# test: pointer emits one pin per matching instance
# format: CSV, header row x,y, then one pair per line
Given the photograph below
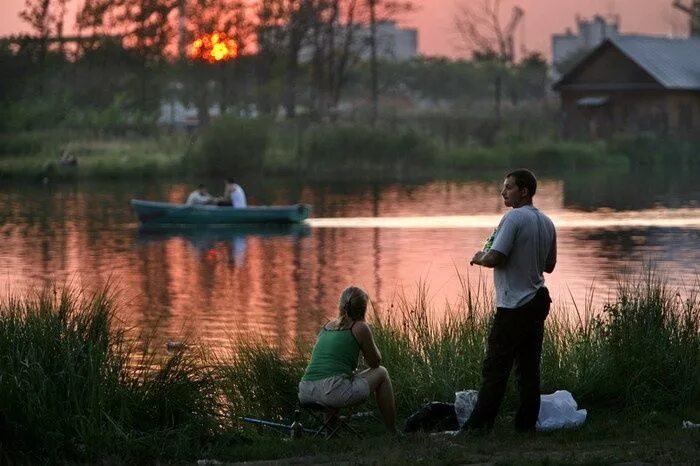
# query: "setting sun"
x,y
212,48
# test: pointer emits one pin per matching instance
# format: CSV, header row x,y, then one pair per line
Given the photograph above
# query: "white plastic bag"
x,y
557,410
464,405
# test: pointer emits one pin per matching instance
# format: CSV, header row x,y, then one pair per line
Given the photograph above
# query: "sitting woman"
x,y
330,380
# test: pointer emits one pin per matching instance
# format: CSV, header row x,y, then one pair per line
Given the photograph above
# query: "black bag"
x,y
433,417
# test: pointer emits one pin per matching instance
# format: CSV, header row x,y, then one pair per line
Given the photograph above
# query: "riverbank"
x,y
313,153
76,387
616,438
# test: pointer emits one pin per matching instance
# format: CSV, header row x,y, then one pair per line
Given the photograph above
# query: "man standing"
x,y
524,246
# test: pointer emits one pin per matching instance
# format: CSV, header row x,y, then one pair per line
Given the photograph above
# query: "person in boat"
x,y
233,195
331,379
67,160
200,196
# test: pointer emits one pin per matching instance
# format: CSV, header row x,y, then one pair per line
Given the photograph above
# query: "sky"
x,y
434,20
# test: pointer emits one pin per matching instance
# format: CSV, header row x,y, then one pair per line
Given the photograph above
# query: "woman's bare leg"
x,y
380,384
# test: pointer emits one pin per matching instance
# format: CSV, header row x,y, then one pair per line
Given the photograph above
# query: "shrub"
x,y
650,151
20,143
229,146
345,149
539,155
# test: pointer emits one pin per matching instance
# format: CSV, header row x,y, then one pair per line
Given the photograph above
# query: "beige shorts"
x,y
335,392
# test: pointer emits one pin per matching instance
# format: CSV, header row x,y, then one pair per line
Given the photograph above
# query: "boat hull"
x,y
152,213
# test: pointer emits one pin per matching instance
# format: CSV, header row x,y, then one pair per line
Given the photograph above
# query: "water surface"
x,y
282,283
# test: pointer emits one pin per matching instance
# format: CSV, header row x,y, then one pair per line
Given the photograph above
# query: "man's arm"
x,y
552,256
489,259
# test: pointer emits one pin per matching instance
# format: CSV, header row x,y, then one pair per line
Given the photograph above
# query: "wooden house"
x,y
634,85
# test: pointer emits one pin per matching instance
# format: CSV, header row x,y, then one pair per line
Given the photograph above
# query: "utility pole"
x,y
693,11
373,60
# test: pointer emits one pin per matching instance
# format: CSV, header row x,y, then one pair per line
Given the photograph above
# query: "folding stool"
x,y
331,422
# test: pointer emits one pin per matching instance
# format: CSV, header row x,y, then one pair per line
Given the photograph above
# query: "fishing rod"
x,y
277,425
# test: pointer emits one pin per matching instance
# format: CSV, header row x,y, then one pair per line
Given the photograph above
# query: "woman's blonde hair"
x,y
353,304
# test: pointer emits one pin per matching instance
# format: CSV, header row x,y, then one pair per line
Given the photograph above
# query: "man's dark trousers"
x,y
515,339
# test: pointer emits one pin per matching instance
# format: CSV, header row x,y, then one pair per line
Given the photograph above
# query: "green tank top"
x,y
335,353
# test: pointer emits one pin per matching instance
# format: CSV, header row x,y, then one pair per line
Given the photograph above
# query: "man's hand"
x,y
488,259
477,258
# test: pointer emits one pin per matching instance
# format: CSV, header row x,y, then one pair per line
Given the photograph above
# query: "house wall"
x,y
660,113
684,113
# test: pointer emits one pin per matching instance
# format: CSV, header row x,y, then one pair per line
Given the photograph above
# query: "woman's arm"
x,y
364,337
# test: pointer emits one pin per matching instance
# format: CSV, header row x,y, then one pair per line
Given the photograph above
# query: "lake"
x,y
282,283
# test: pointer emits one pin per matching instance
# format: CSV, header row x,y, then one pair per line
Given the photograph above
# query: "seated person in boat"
x,y
233,195
200,196
331,379
67,160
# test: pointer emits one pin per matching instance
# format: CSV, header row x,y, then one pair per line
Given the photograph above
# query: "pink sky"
x,y
543,18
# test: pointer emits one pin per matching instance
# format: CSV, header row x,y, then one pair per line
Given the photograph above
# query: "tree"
x,y
300,14
226,20
529,78
336,48
271,17
45,17
483,33
388,9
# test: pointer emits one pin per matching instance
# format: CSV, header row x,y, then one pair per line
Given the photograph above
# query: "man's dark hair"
x,y
229,180
524,178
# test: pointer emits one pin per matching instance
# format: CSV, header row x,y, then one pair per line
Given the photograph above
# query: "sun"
x,y
213,48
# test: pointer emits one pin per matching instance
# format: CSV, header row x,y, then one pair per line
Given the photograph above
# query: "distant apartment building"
x,y
591,33
393,43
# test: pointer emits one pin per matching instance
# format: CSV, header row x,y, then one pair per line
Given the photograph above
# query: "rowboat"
x,y
152,213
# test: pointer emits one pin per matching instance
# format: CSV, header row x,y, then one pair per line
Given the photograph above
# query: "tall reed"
x,y
72,386
69,388
641,350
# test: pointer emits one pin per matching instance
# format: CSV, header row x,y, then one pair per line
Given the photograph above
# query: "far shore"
x,y
37,156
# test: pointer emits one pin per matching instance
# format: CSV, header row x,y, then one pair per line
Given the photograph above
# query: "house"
x,y
634,85
590,34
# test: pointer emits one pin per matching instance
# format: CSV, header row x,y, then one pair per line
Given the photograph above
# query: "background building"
x,y
568,47
393,43
634,85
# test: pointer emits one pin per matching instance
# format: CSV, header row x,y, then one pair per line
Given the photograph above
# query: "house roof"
x,y
674,63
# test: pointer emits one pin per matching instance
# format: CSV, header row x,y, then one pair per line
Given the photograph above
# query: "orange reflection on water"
x,y
283,286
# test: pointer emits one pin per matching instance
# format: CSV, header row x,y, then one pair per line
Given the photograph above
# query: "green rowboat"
x,y
164,213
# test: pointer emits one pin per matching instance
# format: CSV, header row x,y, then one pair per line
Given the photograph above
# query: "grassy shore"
x,y
314,152
36,155
74,387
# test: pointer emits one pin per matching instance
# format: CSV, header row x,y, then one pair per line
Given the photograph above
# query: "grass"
x,y
319,152
613,438
73,387
98,158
